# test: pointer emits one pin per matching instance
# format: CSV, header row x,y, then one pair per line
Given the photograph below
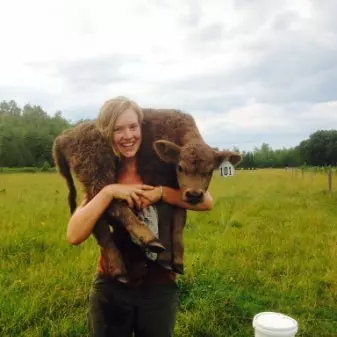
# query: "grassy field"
x,y
269,244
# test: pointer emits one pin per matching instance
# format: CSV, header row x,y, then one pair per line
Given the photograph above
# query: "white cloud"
x,y
255,70
253,118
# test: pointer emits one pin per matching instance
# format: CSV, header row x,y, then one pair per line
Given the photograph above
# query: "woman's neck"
x,y
128,173
129,165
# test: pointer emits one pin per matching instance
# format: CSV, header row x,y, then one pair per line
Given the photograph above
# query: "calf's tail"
x,y
64,169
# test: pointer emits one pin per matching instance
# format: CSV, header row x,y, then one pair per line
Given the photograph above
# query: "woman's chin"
x,y
129,154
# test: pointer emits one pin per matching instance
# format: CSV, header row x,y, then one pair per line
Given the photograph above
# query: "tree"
x,y
9,108
26,136
247,160
320,149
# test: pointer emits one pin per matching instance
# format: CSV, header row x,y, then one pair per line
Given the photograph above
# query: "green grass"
x,y
269,244
45,168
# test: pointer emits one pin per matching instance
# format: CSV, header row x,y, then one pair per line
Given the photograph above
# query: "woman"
x,y
147,305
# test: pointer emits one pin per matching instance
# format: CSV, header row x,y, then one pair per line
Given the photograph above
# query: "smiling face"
x,y
127,134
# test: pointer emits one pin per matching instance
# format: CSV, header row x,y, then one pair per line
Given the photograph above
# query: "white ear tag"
x,y
226,169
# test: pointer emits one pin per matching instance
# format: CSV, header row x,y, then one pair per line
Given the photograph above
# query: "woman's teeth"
x,y
128,146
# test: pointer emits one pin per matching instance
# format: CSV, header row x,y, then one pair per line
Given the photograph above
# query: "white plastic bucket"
x,y
273,324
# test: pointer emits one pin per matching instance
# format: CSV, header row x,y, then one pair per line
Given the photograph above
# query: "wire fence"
x,y
329,171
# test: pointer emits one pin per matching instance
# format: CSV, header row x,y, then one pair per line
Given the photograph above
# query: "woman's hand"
x,y
152,196
134,194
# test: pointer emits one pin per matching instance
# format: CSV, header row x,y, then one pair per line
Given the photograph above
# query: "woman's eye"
x,y
180,169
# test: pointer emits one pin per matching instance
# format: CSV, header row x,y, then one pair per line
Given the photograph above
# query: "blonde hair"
x,y
110,112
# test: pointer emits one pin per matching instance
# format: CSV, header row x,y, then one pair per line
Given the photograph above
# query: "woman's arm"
x,y
83,220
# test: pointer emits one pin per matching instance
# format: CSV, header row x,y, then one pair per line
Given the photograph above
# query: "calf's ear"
x,y
233,157
167,151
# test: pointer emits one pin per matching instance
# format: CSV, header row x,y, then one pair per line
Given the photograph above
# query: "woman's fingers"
x,y
145,202
142,193
135,195
138,191
130,201
146,187
136,199
146,196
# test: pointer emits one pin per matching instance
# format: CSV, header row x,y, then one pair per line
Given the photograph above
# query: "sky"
x,y
248,71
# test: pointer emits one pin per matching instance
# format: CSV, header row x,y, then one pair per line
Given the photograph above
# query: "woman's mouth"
x,y
128,146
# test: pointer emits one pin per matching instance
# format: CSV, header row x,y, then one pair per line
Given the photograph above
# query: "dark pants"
x,y
116,310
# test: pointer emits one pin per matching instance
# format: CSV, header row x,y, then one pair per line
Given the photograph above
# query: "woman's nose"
x,y
127,133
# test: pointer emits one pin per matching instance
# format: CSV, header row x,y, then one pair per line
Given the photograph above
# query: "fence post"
x,y
330,180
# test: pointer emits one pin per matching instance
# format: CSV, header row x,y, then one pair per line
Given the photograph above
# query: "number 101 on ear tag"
x,y
226,169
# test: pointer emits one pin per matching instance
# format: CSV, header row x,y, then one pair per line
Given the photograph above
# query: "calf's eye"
x,y
207,174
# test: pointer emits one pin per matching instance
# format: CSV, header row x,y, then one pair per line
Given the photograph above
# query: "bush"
x,y
45,167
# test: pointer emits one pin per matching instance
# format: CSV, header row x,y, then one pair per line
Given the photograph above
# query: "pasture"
x,y
269,244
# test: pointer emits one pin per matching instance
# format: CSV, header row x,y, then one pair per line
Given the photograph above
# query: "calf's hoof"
x,y
165,264
155,246
122,279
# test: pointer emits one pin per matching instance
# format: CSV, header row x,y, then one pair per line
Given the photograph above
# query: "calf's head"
x,y
195,164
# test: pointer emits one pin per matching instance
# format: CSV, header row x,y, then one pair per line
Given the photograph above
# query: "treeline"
x,y
320,149
27,134
265,157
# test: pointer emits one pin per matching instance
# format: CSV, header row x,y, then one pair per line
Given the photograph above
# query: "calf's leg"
x,y
179,220
115,265
134,226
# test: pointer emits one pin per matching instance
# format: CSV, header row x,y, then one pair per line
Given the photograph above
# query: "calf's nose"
x,y
194,196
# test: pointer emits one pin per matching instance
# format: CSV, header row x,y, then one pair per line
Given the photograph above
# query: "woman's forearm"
x,y
173,197
85,217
